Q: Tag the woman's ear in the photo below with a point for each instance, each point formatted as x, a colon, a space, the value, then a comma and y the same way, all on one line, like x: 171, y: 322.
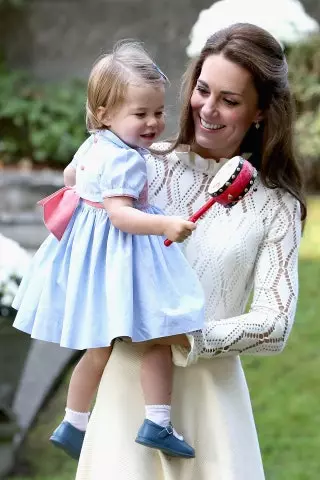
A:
x: 259, y: 116
x: 103, y: 117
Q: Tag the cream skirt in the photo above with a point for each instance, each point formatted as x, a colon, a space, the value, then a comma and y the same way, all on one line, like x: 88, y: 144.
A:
x: 211, y: 408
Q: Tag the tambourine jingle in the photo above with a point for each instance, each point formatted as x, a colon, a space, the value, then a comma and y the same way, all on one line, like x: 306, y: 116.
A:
x: 240, y: 178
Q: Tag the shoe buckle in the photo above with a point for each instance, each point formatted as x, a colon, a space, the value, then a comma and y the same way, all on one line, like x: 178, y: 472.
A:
x: 169, y: 430
x: 166, y: 431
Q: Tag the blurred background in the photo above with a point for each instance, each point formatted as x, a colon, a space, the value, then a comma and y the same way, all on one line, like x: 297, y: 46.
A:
x: 46, y: 52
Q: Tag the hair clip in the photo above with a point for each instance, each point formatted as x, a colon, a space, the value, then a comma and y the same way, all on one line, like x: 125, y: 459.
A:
x: 160, y: 71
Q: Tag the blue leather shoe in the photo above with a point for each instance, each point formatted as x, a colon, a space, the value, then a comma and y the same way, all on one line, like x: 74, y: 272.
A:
x: 69, y: 439
x: 152, y: 435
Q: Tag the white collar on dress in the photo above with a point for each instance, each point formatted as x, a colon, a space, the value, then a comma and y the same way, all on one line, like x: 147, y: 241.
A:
x: 210, y: 166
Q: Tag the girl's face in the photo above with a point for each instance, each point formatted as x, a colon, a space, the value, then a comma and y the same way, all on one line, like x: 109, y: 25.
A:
x: 224, y: 105
x: 140, y: 119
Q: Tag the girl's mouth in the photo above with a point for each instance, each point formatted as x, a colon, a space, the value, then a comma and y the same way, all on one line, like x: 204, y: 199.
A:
x: 148, y: 136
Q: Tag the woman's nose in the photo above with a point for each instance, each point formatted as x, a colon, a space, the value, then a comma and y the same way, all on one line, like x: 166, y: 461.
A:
x: 210, y: 107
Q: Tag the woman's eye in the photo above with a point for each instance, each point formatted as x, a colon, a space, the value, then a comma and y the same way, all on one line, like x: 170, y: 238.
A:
x: 230, y: 102
x: 202, y: 90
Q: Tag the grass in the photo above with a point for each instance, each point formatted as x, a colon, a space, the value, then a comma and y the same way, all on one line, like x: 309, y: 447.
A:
x: 285, y: 391
x: 39, y: 459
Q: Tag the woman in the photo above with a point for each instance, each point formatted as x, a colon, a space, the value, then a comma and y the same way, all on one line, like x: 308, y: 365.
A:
x: 236, y: 101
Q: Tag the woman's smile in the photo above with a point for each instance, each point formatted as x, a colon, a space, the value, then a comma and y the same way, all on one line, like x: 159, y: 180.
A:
x: 211, y: 126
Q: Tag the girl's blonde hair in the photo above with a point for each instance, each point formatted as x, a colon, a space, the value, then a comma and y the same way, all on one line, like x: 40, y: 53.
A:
x: 128, y: 64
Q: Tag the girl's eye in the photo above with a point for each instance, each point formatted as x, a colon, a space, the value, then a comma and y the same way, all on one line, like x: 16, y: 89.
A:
x: 230, y: 102
x: 159, y: 114
x: 140, y: 115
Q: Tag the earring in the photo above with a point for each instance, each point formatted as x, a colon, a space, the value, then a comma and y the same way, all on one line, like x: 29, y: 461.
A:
x: 257, y: 125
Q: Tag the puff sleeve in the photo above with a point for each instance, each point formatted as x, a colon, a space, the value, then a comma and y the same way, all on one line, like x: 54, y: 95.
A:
x: 124, y: 174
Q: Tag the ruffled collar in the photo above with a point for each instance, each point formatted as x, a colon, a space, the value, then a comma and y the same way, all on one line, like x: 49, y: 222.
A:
x: 210, y: 166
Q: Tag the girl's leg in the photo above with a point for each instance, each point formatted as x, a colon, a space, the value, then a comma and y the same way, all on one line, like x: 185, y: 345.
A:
x: 85, y: 379
x: 83, y: 385
x: 156, y: 382
x: 156, y: 375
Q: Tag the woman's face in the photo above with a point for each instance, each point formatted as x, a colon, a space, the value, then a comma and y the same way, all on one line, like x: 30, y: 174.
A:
x: 224, y: 105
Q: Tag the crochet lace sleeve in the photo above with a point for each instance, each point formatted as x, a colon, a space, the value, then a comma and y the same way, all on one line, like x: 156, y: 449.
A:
x: 264, y: 330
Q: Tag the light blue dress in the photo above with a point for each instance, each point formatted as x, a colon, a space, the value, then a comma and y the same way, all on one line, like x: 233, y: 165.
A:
x: 98, y: 283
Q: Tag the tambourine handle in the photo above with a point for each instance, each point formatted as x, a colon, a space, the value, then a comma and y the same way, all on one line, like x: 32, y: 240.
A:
x: 238, y: 177
x: 167, y: 242
x: 198, y: 214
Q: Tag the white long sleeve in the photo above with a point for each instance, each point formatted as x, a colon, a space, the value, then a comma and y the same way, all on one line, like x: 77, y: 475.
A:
x: 251, y: 247
x: 265, y: 328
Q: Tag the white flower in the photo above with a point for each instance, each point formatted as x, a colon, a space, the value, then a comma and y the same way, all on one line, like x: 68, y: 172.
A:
x: 11, y: 288
x: 286, y: 20
x: 4, y: 275
x: 14, y: 261
x: 6, y: 300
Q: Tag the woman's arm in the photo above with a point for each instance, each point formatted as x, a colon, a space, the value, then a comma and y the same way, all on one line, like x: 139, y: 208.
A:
x: 131, y: 220
x: 265, y: 328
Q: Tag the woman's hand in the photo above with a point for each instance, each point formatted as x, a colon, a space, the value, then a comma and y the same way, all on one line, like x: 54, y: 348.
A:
x: 177, y: 229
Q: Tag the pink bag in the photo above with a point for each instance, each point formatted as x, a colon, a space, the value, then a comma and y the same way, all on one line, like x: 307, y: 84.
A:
x: 58, y: 209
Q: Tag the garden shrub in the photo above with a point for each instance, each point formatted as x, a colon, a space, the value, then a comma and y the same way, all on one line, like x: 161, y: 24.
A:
x: 304, y: 74
x: 42, y: 122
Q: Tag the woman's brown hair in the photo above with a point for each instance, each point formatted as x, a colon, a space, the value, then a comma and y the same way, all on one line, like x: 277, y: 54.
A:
x: 257, y: 51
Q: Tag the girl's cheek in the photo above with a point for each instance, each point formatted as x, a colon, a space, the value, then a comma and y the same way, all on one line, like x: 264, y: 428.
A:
x: 160, y: 127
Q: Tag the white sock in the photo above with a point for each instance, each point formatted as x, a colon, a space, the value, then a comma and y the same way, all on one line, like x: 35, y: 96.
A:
x: 160, y: 414
x: 78, y: 419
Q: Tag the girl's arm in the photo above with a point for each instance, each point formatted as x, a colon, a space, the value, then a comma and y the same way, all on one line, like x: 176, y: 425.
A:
x: 131, y: 220
x: 69, y: 176
x: 69, y: 173
x: 264, y: 330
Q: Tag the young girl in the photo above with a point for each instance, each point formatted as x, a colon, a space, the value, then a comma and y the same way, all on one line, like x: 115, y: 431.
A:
x: 105, y: 272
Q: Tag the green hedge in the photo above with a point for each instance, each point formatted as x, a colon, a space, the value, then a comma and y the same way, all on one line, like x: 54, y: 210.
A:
x: 45, y: 122
x: 304, y: 72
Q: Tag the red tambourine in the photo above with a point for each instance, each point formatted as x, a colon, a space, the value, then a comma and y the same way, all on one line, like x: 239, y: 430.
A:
x: 229, y: 185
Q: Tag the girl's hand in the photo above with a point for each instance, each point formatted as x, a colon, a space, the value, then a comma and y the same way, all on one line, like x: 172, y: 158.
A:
x: 177, y: 230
